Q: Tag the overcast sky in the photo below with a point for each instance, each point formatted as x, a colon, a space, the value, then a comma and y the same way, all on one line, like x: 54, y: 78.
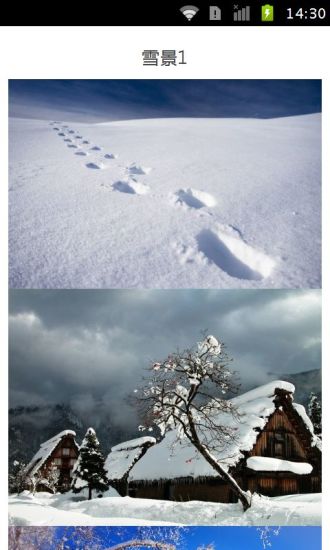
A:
x: 84, y: 347
x: 106, y: 100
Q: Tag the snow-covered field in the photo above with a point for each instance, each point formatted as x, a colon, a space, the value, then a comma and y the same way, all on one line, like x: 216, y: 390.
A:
x: 165, y: 203
x: 52, y: 510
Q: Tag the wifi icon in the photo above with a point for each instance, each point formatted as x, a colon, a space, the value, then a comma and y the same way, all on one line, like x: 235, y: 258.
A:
x: 189, y: 11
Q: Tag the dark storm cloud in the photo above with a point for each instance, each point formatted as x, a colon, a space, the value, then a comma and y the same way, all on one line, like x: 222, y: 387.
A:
x: 94, y: 100
x: 89, y: 348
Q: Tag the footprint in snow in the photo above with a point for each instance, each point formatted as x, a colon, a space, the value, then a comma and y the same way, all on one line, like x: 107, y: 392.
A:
x: 96, y: 165
x: 229, y: 252
x: 68, y: 140
x: 71, y: 132
x: 96, y: 148
x: 61, y: 134
x: 194, y: 198
x: 82, y: 153
x: 138, y: 170
x: 72, y: 146
x: 56, y: 129
x: 188, y: 255
x: 78, y: 137
x: 130, y: 187
x: 85, y: 142
x: 110, y: 156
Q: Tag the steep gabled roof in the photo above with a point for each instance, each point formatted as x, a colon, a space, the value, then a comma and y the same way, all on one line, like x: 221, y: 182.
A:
x: 173, y: 459
x: 123, y: 456
x: 45, y: 451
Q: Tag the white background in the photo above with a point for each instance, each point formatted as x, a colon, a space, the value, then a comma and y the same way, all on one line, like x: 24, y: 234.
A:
x: 109, y: 53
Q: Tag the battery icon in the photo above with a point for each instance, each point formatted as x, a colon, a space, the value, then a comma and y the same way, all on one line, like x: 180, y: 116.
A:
x: 267, y: 13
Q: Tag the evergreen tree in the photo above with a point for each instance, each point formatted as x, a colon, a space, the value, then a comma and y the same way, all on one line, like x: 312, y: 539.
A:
x: 315, y: 413
x: 89, y: 470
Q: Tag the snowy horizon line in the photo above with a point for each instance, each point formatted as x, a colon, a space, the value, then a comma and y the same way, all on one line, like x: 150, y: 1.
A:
x: 100, y: 122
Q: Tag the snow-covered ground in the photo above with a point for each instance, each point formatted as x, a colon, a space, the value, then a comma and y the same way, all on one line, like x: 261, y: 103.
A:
x: 165, y: 203
x: 45, y: 509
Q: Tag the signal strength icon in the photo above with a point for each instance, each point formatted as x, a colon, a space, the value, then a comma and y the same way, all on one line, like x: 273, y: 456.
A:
x: 189, y: 11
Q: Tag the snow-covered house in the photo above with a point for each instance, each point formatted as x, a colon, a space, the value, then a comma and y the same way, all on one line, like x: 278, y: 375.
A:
x: 56, y: 456
x: 274, y: 452
x: 122, y: 458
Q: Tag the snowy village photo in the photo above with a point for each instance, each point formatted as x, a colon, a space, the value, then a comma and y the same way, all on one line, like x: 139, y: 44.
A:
x: 165, y: 184
x: 164, y: 408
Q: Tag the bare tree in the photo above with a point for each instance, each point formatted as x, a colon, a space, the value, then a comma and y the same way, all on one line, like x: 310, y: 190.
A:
x: 186, y: 392
x: 30, y: 538
x: 145, y: 543
x: 93, y: 538
x: 53, y: 477
x: 35, y: 480
x: 266, y: 535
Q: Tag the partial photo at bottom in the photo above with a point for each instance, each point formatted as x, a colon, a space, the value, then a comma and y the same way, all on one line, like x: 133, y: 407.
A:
x: 164, y: 538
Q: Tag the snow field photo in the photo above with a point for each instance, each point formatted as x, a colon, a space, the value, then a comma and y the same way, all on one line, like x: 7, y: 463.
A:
x: 165, y: 203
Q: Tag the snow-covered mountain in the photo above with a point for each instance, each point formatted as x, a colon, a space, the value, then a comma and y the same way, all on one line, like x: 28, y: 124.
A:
x: 166, y: 203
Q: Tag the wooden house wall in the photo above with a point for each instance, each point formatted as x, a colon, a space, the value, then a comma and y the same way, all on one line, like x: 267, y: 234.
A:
x: 65, y: 467
x: 214, y: 490
x: 211, y: 491
x: 316, y: 484
x: 274, y: 485
x: 279, y: 440
x: 185, y: 489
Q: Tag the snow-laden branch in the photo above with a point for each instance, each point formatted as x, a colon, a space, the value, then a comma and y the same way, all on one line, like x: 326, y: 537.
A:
x: 142, y: 543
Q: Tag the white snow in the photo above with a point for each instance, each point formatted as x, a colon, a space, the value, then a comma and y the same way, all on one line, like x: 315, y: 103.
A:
x: 194, y: 198
x: 166, y: 203
x: 211, y: 345
x: 259, y: 263
x: 133, y: 443
x: 267, y: 390
x: 45, y: 451
x: 267, y: 464
x: 45, y: 509
x: 122, y: 457
x: 316, y: 441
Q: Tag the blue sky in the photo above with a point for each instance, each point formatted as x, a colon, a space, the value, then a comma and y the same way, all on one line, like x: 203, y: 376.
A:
x: 223, y: 538
x: 96, y: 100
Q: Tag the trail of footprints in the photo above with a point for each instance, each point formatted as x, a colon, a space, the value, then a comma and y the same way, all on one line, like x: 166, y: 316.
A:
x: 222, y: 246
x: 98, y: 160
